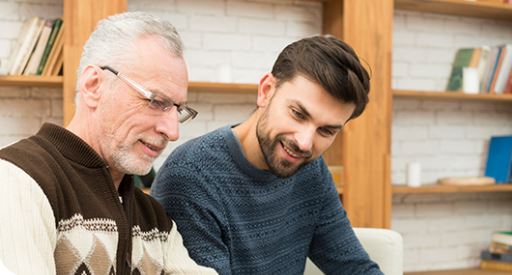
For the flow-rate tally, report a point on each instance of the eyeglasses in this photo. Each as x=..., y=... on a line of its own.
x=185, y=113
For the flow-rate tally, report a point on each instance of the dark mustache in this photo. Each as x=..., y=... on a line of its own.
x=295, y=148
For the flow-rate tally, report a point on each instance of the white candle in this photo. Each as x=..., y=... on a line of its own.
x=414, y=174
x=470, y=80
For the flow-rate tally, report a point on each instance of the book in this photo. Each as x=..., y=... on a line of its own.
x=502, y=237
x=54, y=53
x=489, y=66
x=494, y=68
x=500, y=63
x=482, y=64
x=495, y=265
x=57, y=23
x=496, y=247
x=506, y=65
x=493, y=256
x=24, y=45
x=57, y=69
x=508, y=86
x=462, y=59
x=31, y=47
x=499, y=159
x=35, y=57
x=465, y=181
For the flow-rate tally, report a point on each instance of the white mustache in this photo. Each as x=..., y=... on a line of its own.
x=156, y=142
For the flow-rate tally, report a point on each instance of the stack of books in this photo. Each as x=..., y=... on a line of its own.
x=39, y=48
x=499, y=254
x=494, y=66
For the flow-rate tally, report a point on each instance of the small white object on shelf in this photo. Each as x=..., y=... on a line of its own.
x=414, y=174
x=470, y=80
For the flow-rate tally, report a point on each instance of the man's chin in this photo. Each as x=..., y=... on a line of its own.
x=284, y=172
x=137, y=167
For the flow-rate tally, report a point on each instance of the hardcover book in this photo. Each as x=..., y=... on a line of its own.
x=499, y=159
x=462, y=59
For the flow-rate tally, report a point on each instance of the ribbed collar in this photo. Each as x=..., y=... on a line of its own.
x=71, y=146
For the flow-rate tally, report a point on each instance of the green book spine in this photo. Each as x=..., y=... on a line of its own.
x=462, y=59
x=55, y=30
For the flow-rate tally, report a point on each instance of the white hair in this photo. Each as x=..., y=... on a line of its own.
x=113, y=41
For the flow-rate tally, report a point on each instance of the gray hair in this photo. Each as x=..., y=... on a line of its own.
x=114, y=37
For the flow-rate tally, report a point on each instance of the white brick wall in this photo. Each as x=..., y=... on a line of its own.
x=443, y=231
x=23, y=110
x=448, y=138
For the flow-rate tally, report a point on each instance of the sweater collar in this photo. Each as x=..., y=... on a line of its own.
x=237, y=154
x=71, y=146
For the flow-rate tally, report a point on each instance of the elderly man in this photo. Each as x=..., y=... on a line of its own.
x=257, y=198
x=68, y=204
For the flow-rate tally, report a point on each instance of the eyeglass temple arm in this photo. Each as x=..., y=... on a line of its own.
x=137, y=87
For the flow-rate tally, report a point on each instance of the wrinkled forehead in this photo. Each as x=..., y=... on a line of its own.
x=159, y=70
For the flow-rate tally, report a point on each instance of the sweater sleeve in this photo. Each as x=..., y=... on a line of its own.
x=187, y=199
x=27, y=231
x=177, y=259
x=335, y=246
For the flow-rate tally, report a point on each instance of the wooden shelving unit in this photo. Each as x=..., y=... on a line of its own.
x=436, y=188
x=37, y=81
x=478, y=9
x=451, y=96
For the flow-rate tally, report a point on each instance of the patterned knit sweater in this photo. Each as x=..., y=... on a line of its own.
x=61, y=214
x=242, y=220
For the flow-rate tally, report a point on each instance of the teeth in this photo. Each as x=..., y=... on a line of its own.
x=290, y=152
x=150, y=146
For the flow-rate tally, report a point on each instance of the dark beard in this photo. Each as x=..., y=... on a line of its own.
x=280, y=168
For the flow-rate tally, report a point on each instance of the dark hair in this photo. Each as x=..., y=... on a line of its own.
x=329, y=62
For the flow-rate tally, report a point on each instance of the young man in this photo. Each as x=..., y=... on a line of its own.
x=257, y=198
x=68, y=204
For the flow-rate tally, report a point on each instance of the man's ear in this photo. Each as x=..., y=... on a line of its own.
x=266, y=89
x=90, y=82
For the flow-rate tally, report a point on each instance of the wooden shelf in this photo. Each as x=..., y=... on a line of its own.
x=215, y=87
x=451, y=96
x=435, y=188
x=39, y=81
x=479, y=9
x=474, y=271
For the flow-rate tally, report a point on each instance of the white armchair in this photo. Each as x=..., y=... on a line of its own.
x=384, y=246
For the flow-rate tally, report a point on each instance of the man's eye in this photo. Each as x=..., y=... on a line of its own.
x=326, y=132
x=157, y=104
x=298, y=115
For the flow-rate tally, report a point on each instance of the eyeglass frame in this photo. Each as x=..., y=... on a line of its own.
x=163, y=105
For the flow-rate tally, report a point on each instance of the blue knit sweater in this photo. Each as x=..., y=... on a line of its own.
x=242, y=220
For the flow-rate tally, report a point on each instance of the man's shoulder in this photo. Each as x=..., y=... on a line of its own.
x=199, y=148
x=27, y=154
x=315, y=176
